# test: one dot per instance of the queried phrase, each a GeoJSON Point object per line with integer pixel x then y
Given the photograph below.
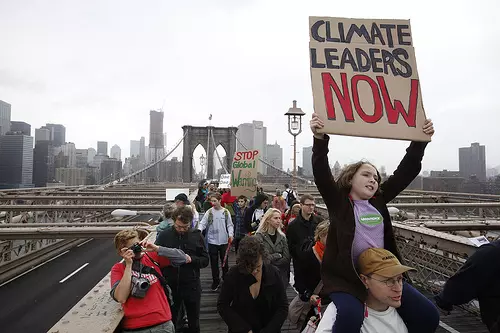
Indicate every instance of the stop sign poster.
{"type": "Point", "coordinates": [244, 173]}
{"type": "Point", "coordinates": [364, 78]}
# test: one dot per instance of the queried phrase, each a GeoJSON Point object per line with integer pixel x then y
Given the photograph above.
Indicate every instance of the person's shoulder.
{"type": "Point", "coordinates": [118, 267]}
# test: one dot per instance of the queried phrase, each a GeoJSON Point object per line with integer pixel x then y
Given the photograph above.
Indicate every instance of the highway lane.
{"type": "Point", "coordinates": [35, 301]}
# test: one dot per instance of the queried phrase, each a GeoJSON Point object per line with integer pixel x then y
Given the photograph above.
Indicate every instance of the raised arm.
{"type": "Point", "coordinates": [408, 168]}
{"type": "Point", "coordinates": [321, 168]}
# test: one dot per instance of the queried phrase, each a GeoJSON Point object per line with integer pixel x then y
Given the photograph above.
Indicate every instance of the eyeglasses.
{"type": "Point", "coordinates": [390, 282]}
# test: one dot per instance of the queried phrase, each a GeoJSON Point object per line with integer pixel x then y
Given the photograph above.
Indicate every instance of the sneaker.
{"type": "Point", "coordinates": [215, 285]}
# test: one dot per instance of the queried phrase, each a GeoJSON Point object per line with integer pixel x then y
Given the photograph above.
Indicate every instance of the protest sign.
{"type": "Point", "coordinates": [244, 173]}
{"type": "Point", "coordinates": [224, 181]}
{"type": "Point", "coordinates": [364, 78]}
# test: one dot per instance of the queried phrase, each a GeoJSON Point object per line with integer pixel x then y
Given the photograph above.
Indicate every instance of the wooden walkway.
{"type": "Point", "coordinates": [210, 321]}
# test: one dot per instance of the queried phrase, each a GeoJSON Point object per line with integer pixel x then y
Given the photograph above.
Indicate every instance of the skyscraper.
{"type": "Point", "coordinates": [306, 161]}
{"type": "Point", "coordinates": [90, 155]}
{"type": "Point", "coordinates": [135, 148]}
{"type": "Point", "coordinates": [16, 160]}
{"type": "Point", "coordinates": [116, 152]}
{"type": "Point", "coordinates": [275, 158]}
{"type": "Point", "coordinates": [142, 150]}
{"type": "Point", "coordinates": [156, 129]}
{"type": "Point", "coordinates": [43, 163]}
{"type": "Point", "coordinates": [21, 127]}
{"type": "Point", "coordinates": [102, 148]}
{"type": "Point", "coordinates": [253, 136]}
{"type": "Point", "coordinates": [57, 134]}
{"type": "Point", "coordinates": [82, 158]}
{"type": "Point", "coordinates": [42, 134]}
{"type": "Point", "coordinates": [5, 109]}
{"type": "Point", "coordinates": [472, 161]}
{"type": "Point", "coordinates": [69, 150]}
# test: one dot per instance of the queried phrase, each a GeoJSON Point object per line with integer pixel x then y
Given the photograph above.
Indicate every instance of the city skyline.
{"type": "Point", "coordinates": [109, 91]}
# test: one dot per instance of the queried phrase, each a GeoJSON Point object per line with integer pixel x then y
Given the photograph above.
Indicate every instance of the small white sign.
{"type": "Point", "coordinates": [225, 180]}
{"type": "Point", "coordinates": [171, 193]}
{"type": "Point", "coordinates": [478, 241]}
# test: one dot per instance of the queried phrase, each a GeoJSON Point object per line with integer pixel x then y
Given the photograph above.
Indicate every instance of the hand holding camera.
{"type": "Point", "coordinates": [128, 255]}
{"type": "Point", "coordinates": [148, 246]}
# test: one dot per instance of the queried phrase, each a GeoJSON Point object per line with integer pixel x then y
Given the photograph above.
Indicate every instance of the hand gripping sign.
{"type": "Point", "coordinates": [364, 78]}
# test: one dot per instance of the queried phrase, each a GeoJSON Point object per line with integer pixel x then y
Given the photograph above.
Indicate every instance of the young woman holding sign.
{"type": "Point", "coordinates": [359, 203]}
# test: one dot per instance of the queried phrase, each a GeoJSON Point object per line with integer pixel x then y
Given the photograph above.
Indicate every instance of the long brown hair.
{"type": "Point", "coordinates": [346, 175]}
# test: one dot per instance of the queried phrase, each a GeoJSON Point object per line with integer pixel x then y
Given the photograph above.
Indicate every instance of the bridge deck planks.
{"type": "Point", "coordinates": [211, 322]}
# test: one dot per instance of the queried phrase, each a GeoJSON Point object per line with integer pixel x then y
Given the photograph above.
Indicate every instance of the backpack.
{"type": "Point", "coordinates": [211, 218]}
{"type": "Point", "coordinates": [290, 198]}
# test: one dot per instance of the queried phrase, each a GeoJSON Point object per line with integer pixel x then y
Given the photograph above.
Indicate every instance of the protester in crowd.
{"type": "Point", "coordinates": [182, 200]}
{"type": "Point", "coordinates": [358, 202]}
{"type": "Point", "coordinates": [382, 275]}
{"type": "Point", "coordinates": [278, 202]}
{"type": "Point", "coordinates": [137, 282]}
{"type": "Point", "coordinates": [478, 278]}
{"type": "Point", "coordinates": [290, 215]}
{"type": "Point", "coordinates": [208, 202]}
{"type": "Point", "coordinates": [253, 298]}
{"type": "Point", "coordinates": [220, 231]}
{"type": "Point", "coordinates": [310, 257]}
{"type": "Point", "coordinates": [289, 195]}
{"type": "Point", "coordinates": [166, 220]}
{"type": "Point", "coordinates": [239, 208]}
{"type": "Point", "coordinates": [184, 280]}
{"type": "Point", "coordinates": [274, 240]}
{"type": "Point", "coordinates": [302, 228]}
{"type": "Point", "coordinates": [254, 214]}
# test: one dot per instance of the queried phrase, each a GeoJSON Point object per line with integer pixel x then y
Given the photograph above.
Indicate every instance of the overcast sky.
{"type": "Point", "coordinates": [99, 66]}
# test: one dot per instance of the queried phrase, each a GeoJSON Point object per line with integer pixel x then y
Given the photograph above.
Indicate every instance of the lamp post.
{"type": "Point", "coordinates": [294, 128]}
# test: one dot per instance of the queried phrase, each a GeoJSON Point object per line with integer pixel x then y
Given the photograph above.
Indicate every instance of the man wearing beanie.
{"type": "Point", "coordinates": [382, 274]}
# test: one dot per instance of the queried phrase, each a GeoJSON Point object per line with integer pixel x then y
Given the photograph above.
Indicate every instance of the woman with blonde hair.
{"type": "Point", "coordinates": [275, 243]}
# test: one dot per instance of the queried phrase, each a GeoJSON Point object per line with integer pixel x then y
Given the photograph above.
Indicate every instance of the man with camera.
{"type": "Point", "coordinates": [185, 279]}
{"type": "Point", "coordinates": [137, 282]}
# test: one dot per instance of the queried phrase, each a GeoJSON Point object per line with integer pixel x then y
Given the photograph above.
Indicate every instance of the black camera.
{"type": "Point", "coordinates": [140, 286]}
{"type": "Point", "coordinates": [136, 248]}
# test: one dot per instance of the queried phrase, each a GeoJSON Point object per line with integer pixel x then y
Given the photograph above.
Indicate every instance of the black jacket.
{"type": "Point", "coordinates": [337, 270]}
{"type": "Point", "coordinates": [193, 244]}
{"type": "Point", "coordinates": [299, 231]}
{"type": "Point", "coordinates": [312, 267]}
{"type": "Point", "coordinates": [478, 278]}
{"type": "Point", "coordinates": [248, 218]}
{"type": "Point", "coordinates": [241, 313]}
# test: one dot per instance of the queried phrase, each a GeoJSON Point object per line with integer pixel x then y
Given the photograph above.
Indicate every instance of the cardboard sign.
{"type": "Point", "coordinates": [171, 193]}
{"type": "Point", "coordinates": [478, 241]}
{"type": "Point", "coordinates": [364, 78]}
{"type": "Point", "coordinates": [225, 180]}
{"type": "Point", "coordinates": [244, 173]}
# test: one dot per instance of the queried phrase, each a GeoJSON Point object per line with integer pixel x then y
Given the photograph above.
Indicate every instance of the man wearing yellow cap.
{"type": "Point", "coordinates": [382, 275]}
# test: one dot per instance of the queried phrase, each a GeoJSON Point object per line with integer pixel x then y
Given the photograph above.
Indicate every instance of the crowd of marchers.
{"type": "Point", "coordinates": [347, 271]}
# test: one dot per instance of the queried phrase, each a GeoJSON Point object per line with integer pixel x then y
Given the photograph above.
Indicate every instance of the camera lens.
{"type": "Point", "coordinates": [144, 285]}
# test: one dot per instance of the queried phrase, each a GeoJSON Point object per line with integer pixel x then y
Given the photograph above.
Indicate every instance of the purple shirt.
{"type": "Point", "coordinates": [369, 228]}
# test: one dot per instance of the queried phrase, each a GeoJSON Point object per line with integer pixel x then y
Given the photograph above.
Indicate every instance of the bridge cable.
{"type": "Point", "coordinates": [217, 153]}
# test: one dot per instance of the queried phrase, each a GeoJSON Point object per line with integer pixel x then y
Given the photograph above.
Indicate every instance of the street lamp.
{"type": "Point", "coordinates": [294, 128]}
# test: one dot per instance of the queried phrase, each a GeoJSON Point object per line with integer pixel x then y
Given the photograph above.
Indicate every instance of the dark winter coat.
{"type": "Point", "coordinates": [299, 231]}
{"type": "Point", "coordinates": [337, 271]}
{"type": "Point", "coordinates": [193, 244]}
{"type": "Point", "coordinates": [242, 313]}
{"type": "Point", "coordinates": [477, 279]}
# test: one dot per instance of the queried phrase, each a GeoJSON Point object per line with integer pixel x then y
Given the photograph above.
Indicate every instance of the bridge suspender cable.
{"type": "Point", "coordinates": [217, 153]}
{"type": "Point", "coordinates": [150, 165]}
{"type": "Point", "coordinates": [272, 166]}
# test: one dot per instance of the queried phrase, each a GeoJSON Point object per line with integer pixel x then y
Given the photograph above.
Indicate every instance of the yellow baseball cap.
{"type": "Point", "coordinates": [381, 262]}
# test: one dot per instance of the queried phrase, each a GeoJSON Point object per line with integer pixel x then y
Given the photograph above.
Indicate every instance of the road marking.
{"type": "Point", "coordinates": [32, 269]}
{"type": "Point", "coordinates": [448, 328]}
{"type": "Point", "coordinates": [151, 219]}
{"type": "Point", "coordinates": [79, 269]}
{"type": "Point", "coordinates": [443, 325]}
{"type": "Point", "coordinates": [85, 242]}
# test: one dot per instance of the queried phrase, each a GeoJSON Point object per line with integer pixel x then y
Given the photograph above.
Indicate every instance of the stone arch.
{"type": "Point", "coordinates": [194, 136]}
